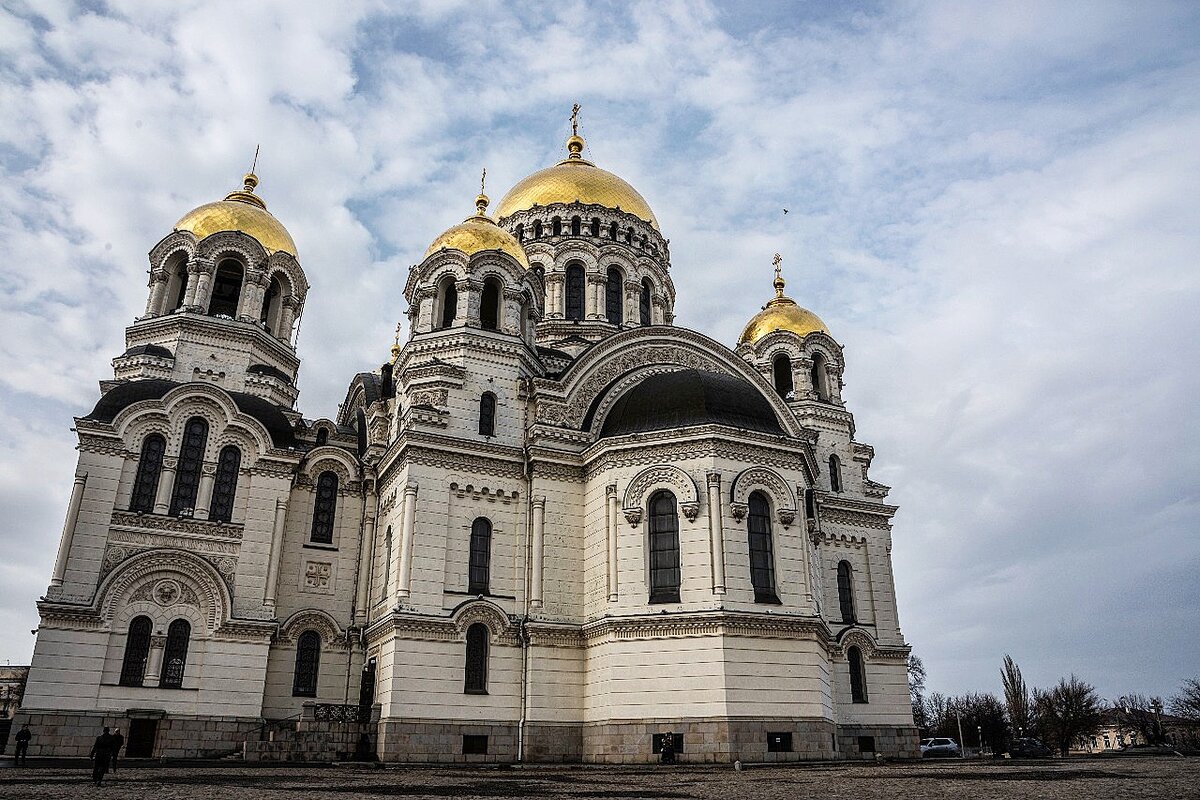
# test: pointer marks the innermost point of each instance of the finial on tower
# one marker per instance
(575, 141)
(778, 282)
(575, 119)
(250, 180)
(396, 344)
(481, 202)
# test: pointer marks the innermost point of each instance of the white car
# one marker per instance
(940, 748)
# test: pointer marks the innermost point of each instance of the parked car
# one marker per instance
(1029, 748)
(940, 748)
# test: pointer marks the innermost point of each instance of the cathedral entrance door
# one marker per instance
(142, 733)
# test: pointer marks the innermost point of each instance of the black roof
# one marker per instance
(269, 371)
(690, 397)
(121, 397)
(149, 350)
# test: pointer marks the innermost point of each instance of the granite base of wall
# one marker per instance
(710, 740)
(553, 742)
(440, 741)
(70, 734)
(886, 741)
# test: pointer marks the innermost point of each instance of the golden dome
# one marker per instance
(478, 233)
(240, 211)
(575, 180)
(781, 314)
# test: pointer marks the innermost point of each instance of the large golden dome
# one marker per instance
(478, 233)
(781, 314)
(575, 180)
(240, 211)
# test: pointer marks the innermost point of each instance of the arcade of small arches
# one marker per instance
(599, 224)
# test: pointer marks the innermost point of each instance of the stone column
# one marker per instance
(166, 483)
(250, 300)
(610, 499)
(276, 551)
(203, 290)
(589, 296)
(68, 534)
(287, 318)
(158, 289)
(716, 532)
(208, 477)
(365, 546)
(463, 307)
(193, 280)
(408, 524)
(539, 551)
(154, 659)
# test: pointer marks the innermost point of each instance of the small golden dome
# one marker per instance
(478, 233)
(575, 179)
(243, 211)
(781, 314)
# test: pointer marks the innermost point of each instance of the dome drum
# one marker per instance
(596, 223)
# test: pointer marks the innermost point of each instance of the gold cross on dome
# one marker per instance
(778, 262)
(575, 119)
(482, 180)
(397, 339)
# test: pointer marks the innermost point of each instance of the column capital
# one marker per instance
(714, 478)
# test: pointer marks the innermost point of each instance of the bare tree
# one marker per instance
(939, 715)
(1070, 711)
(916, 691)
(1143, 715)
(1187, 703)
(1016, 696)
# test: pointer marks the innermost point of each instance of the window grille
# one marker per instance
(575, 287)
(325, 508)
(612, 296)
(308, 663)
(175, 655)
(762, 567)
(664, 548)
(487, 414)
(145, 485)
(137, 651)
(845, 582)
(225, 485)
(477, 657)
(187, 474)
(480, 560)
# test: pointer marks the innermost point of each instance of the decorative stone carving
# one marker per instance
(661, 475)
(166, 592)
(739, 510)
(786, 517)
(690, 510)
(633, 516)
(437, 398)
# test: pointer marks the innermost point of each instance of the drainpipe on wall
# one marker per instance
(523, 633)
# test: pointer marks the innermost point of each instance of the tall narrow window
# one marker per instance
(845, 580)
(449, 304)
(858, 675)
(322, 436)
(612, 230)
(325, 508)
(272, 305)
(187, 474)
(556, 226)
(176, 286)
(762, 561)
(145, 485)
(644, 302)
(477, 659)
(629, 236)
(225, 485)
(817, 374)
(781, 366)
(175, 654)
(575, 286)
(489, 306)
(596, 227)
(387, 564)
(664, 548)
(576, 228)
(308, 664)
(612, 296)
(137, 650)
(226, 289)
(835, 473)
(537, 229)
(521, 232)
(481, 556)
(487, 414)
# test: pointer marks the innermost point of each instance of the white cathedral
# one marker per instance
(552, 527)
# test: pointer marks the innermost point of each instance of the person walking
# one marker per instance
(101, 755)
(668, 748)
(22, 754)
(118, 741)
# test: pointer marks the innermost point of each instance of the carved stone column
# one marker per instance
(554, 307)
(364, 563)
(158, 290)
(166, 483)
(277, 531)
(193, 282)
(287, 318)
(716, 532)
(407, 527)
(154, 659)
(539, 539)
(462, 314)
(208, 476)
(68, 534)
(610, 499)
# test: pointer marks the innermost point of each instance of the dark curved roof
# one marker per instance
(120, 397)
(149, 350)
(690, 397)
(270, 372)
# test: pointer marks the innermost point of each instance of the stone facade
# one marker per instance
(503, 547)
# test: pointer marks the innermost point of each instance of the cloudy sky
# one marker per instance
(992, 205)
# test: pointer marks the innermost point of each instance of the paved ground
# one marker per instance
(1077, 779)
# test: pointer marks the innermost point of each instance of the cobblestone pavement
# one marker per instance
(1160, 778)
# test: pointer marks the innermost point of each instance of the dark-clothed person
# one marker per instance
(23, 737)
(668, 748)
(118, 741)
(101, 755)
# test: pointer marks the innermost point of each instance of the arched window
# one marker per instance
(664, 548)
(325, 508)
(175, 654)
(137, 650)
(225, 484)
(845, 581)
(612, 230)
(145, 485)
(781, 366)
(177, 281)
(537, 229)
(489, 306)
(487, 414)
(322, 436)
(521, 232)
(762, 561)
(477, 659)
(858, 675)
(272, 307)
(819, 383)
(226, 289)
(644, 303)
(575, 286)
(481, 556)
(449, 308)
(187, 474)
(308, 664)
(556, 226)
(596, 227)
(629, 236)
(835, 473)
(612, 296)
(387, 564)
(576, 226)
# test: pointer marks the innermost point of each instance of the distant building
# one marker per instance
(1118, 732)
(553, 526)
